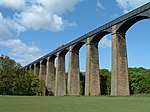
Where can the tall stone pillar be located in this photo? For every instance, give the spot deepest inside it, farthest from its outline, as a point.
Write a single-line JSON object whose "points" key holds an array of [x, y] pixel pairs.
{"points": [[73, 73], [50, 77], [42, 76], [119, 77], [60, 84], [36, 69], [92, 82]]}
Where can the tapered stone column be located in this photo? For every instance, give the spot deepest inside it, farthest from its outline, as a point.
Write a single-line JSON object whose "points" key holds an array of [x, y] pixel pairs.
{"points": [[119, 77], [42, 76], [36, 69], [50, 77], [60, 84], [92, 82], [73, 73]]}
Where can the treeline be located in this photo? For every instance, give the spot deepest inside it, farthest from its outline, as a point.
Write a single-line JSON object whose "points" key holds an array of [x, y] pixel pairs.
{"points": [[16, 81], [139, 81]]}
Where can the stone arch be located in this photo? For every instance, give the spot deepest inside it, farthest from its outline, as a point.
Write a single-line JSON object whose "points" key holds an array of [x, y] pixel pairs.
{"points": [[77, 46], [52, 57], [124, 26], [37, 64], [99, 36], [44, 61], [63, 52], [32, 67]]}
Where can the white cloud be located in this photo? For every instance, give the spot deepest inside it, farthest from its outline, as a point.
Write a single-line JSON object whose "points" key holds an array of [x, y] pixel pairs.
{"points": [[128, 5], [99, 5], [17, 27], [37, 18], [14, 4], [39, 14], [21, 52], [4, 30], [105, 42], [58, 6]]}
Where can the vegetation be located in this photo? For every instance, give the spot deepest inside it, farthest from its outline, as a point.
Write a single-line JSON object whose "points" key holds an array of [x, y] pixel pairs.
{"points": [[82, 83], [73, 104], [139, 80], [16, 81], [105, 81]]}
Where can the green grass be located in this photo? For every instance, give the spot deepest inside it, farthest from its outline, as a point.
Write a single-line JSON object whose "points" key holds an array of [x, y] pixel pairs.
{"points": [[74, 104]]}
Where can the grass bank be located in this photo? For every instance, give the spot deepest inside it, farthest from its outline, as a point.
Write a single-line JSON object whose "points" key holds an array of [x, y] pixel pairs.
{"points": [[74, 104]]}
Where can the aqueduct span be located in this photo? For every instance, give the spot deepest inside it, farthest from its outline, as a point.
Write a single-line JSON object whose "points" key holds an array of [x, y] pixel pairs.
{"points": [[55, 77]]}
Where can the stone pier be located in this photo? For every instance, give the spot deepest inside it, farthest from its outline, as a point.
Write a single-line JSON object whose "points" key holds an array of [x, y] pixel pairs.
{"points": [[50, 76], [60, 83], [42, 75], [92, 82], [36, 69], [73, 73], [119, 77]]}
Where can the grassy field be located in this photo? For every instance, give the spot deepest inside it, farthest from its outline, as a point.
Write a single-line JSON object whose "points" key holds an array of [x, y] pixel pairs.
{"points": [[74, 104]]}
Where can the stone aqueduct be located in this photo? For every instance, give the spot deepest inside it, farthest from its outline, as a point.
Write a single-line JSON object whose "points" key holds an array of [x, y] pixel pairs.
{"points": [[55, 77]]}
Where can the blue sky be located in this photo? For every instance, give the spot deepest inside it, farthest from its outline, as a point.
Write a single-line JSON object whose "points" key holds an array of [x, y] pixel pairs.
{"points": [[30, 29]]}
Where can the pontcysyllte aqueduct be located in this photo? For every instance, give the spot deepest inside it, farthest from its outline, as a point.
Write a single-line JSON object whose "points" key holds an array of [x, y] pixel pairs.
{"points": [[55, 77]]}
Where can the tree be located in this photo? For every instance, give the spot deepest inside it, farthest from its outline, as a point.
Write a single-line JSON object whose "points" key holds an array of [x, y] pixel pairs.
{"points": [[105, 81], [82, 83], [139, 80], [14, 80]]}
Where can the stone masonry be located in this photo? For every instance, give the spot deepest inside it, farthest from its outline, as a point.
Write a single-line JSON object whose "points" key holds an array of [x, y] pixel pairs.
{"points": [[119, 77], [73, 73], [60, 82], [92, 82]]}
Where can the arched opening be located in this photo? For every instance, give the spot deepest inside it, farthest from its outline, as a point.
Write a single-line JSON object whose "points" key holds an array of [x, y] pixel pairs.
{"points": [[81, 53], [129, 23], [82, 64], [138, 46], [105, 51], [66, 70]]}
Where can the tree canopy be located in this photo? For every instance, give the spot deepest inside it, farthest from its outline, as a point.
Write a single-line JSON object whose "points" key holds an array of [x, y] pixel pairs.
{"points": [[14, 80]]}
